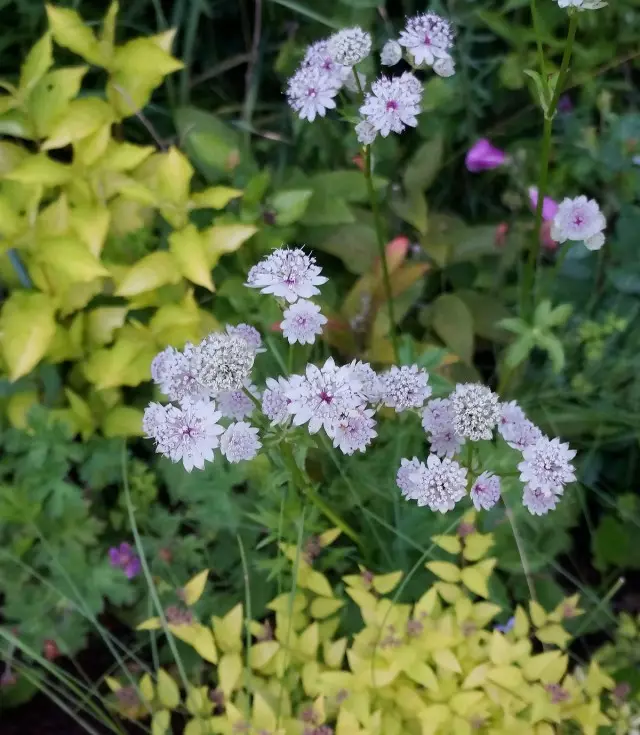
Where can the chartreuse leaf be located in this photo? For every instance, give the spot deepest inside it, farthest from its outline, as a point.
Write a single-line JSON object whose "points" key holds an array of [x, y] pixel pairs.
{"points": [[229, 671], [221, 239], [108, 33], [49, 99], [151, 272], [199, 637], [160, 722], [150, 624], [91, 224], [193, 589], [324, 607], [448, 543], [102, 322], [126, 363], [81, 414], [476, 546], [71, 259], [189, 250], [82, 118], [125, 156], [385, 583], [146, 688], [538, 613], [40, 169], [168, 692], [215, 197], [548, 667], [36, 65], [27, 327], [228, 629], [445, 570], [555, 634], [69, 31], [476, 577], [123, 421], [18, 408]]}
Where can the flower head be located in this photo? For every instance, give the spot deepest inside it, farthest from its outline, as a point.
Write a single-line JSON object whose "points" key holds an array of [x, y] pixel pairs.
{"points": [[349, 46], [439, 483], [240, 442], [236, 404], [249, 334], [322, 396], [437, 421], [579, 219], [405, 387], [125, 557], [391, 53], [188, 433], [483, 156], [393, 103], [275, 402], [175, 373], [222, 362], [444, 67], [310, 92], [485, 492], [521, 434], [290, 274], [537, 502], [407, 468], [318, 57], [546, 466], [354, 430], [366, 132], [446, 443], [582, 4], [302, 322], [427, 37], [475, 411], [370, 384]]}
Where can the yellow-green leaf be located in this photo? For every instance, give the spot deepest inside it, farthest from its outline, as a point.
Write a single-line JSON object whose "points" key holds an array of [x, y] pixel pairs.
{"points": [[229, 672], [424, 675], [82, 118], [150, 624], [228, 629], [444, 570], [82, 414], [538, 613], [198, 636], [193, 589], [123, 421], [328, 537], [521, 624], [475, 578], [548, 667], [107, 36], [476, 676], [173, 175], [447, 660], [69, 31], [476, 545], [27, 327], [91, 224], [19, 406], [146, 57], [216, 197], [384, 583], [221, 239], [50, 97], [125, 156], [168, 692], [36, 65], [262, 653], [188, 249], [555, 634], [500, 650], [113, 684], [151, 272], [40, 169], [160, 722], [315, 581], [194, 727], [102, 322], [71, 258], [448, 543], [323, 607], [508, 677], [146, 688], [126, 363]]}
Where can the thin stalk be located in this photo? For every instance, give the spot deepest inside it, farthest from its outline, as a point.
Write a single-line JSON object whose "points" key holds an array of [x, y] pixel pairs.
{"points": [[521, 551], [538, 33], [381, 241], [248, 613]]}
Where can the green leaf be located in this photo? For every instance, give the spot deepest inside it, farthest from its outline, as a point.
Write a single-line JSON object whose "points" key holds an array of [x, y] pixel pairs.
{"points": [[354, 243], [453, 323], [123, 421], [189, 249], [519, 351], [70, 258], [552, 345], [151, 272], [82, 118], [289, 206], [40, 169], [69, 31], [49, 99], [36, 65], [424, 165], [412, 209], [541, 89]]}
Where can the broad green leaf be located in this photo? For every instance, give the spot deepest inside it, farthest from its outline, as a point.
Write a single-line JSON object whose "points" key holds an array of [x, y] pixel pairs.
{"points": [[151, 272], [168, 692], [215, 197], [123, 421], [221, 239], [189, 250], [40, 169], [71, 258], [424, 165], [69, 31], [289, 206], [453, 323], [82, 118], [36, 65], [49, 99], [412, 209], [192, 591], [27, 326], [519, 350], [81, 413]]}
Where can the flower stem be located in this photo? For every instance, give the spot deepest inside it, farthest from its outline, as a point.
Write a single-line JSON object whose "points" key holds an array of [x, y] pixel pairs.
{"points": [[528, 298], [381, 240]]}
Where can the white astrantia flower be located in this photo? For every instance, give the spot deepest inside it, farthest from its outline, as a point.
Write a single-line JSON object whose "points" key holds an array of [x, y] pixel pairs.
{"points": [[437, 421], [485, 492], [275, 404], [537, 502], [427, 37], [249, 334], [349, 46], [302, 322], [444, 67], [546, 466], [582, 4], [391, 53], [323, 396], [370, 383], [407, 468], [176, 374], [236, 404], [405, 387], [354, 430], [222, 362], [288, 273], [438, 484], [350, 83], [393, 104], [366, 132], [579, 219], [162, 365], [476, 411], [520, 435], [446, 443], [317, 56], [510, 413], [310, 92], [240, 442], [188, 433]]}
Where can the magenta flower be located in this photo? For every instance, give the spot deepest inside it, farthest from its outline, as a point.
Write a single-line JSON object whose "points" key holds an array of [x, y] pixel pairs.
{"points": [[125, 558], [483, 156], [549, 209]]}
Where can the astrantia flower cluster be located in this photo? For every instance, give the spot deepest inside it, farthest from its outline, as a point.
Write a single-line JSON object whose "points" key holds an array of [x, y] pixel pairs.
{"points": [[393, 104], [582, 4], [428, 38], [471, 414], [579, 219]]}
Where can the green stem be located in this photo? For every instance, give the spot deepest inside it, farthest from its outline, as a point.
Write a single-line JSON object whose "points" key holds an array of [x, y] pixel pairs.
{"points": [[301, 480], [538, 34], [381, 241], [528, 293]]}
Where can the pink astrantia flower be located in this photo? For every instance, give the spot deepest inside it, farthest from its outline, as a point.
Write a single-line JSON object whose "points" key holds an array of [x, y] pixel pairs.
{"points": [[483, 156]]}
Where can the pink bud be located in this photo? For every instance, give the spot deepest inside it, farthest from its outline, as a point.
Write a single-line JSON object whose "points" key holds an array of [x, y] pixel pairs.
{"points": [[501, 234], [549, 206], [483, 156]]}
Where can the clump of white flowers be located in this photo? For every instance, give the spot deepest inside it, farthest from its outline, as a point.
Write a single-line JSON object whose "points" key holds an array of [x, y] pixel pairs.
{"points": [[349, 46], [579, 219], [582, 4], [393, 104], [428, 38]]}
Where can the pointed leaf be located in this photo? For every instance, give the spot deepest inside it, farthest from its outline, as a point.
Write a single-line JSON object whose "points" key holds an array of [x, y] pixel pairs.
{"points": [[192, 591], [36, 65], [189, 250], [27, 327], [151, 272], [168, 692], [69, 31], [221, 239], [453, 323], [216, 197]]}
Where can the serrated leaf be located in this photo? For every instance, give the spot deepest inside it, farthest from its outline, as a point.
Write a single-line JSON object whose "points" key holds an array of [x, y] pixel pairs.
{"points": [[27, 327]]}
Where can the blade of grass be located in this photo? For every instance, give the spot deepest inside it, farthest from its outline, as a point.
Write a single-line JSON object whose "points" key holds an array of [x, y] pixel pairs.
{"points": [[303, 10]]}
